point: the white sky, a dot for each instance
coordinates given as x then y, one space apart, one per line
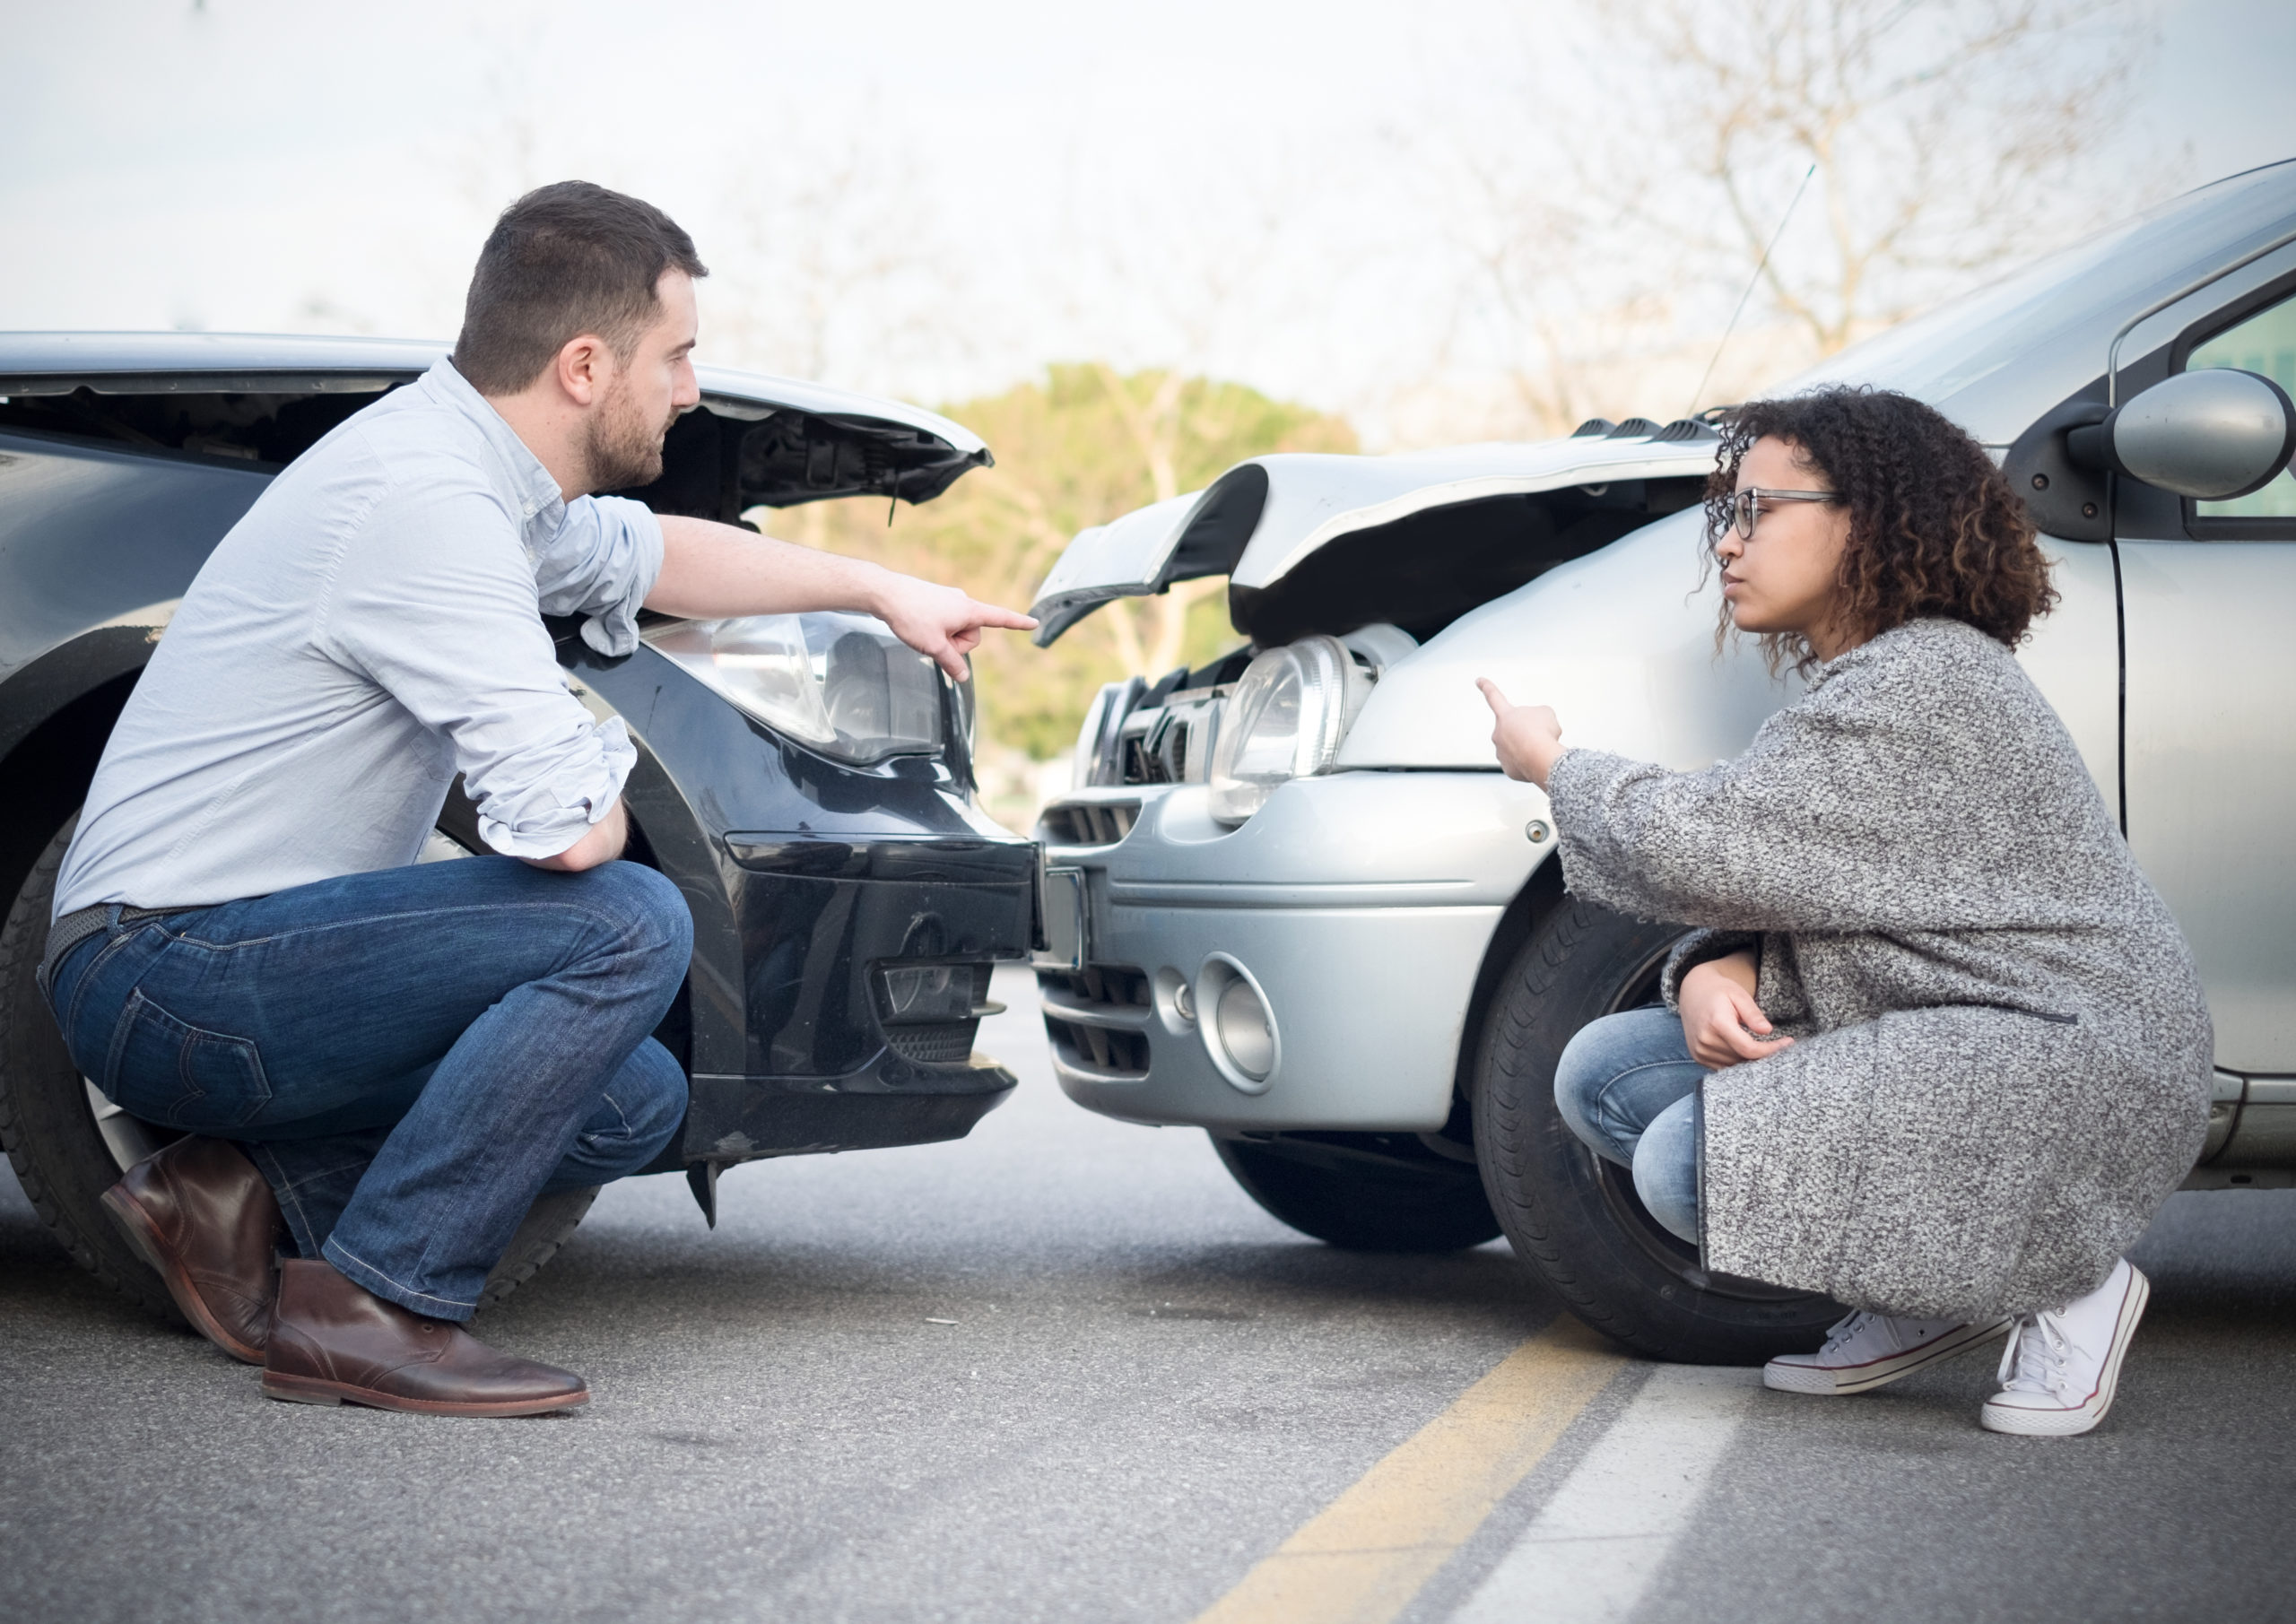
968 191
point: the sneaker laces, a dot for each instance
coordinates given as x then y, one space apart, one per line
2038 1357
1846 1332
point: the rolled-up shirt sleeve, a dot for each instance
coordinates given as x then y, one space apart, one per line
601 565
436 605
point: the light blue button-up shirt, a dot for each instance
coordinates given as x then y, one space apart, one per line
371 628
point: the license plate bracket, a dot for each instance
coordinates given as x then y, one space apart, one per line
1065 921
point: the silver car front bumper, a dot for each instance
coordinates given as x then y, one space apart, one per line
1358 906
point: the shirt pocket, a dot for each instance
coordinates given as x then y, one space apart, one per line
181 1075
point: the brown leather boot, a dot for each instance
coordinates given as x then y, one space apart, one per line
335 1343
201 1215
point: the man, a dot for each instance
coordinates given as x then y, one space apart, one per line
396 1060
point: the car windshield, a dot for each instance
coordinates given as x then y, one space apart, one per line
2061 310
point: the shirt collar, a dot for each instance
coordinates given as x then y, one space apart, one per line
523 483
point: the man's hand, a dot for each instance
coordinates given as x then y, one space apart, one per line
602 844
940 621
1721 1023
712 571
1528 737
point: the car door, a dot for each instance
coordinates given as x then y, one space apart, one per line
2209 613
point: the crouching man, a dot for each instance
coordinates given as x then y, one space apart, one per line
391 1061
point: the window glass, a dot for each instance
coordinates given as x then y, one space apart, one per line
2264 344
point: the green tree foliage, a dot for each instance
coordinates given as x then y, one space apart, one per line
1081 447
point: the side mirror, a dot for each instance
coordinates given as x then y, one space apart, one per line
2210 435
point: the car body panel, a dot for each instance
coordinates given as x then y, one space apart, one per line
1358 891
1306 501
784 441
2212 772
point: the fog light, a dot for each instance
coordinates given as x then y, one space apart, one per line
1238 1029
918 992
1244 1032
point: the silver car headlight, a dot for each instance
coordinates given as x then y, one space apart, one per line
842 684
1284 720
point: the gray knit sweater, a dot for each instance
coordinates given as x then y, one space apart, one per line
2003 1054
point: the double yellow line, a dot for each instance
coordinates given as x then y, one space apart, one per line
1364 1557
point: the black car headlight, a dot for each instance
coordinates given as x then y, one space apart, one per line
842 684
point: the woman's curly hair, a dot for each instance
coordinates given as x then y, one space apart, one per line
1933 527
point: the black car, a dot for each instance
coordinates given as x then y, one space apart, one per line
807 779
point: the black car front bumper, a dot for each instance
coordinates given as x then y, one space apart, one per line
808 882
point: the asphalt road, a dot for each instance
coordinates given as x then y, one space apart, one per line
1151 1397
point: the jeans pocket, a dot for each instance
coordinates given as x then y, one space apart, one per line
179 1075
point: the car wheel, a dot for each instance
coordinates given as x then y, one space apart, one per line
1364 1191
69 1144
1572 1216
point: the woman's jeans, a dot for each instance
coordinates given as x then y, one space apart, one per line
1628 1087
411 1055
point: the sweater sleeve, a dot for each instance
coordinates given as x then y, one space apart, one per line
1700 947
1837 817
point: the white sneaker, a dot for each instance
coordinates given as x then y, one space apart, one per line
2060 1369
1869 1351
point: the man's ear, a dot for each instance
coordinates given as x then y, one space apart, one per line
585 366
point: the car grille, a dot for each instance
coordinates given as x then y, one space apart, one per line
1097 1019
942 1041
1089 822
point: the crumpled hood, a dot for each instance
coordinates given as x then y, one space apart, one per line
1259 521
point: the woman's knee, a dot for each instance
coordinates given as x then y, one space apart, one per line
1665 1168
1596 1056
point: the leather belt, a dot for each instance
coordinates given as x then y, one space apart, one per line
82 923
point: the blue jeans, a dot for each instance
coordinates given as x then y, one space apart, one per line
411 1055
1628 1087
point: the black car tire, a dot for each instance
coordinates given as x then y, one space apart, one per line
1365 1200
63 1161
60 1155
1573 1217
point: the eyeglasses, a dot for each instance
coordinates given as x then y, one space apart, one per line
1746 506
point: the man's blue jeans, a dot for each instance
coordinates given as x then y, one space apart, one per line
1628 1087
411 1055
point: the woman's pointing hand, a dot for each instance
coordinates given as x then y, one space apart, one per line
1528 737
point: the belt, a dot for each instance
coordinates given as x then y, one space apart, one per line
82 923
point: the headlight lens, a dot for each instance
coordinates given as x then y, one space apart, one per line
1284 720
841 684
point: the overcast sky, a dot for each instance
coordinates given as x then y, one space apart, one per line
931 200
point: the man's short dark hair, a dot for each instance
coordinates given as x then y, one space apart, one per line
564 260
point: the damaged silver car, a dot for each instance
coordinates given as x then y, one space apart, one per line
1291 900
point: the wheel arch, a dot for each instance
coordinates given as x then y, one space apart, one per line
55 713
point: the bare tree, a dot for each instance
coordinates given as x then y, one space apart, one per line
1943 140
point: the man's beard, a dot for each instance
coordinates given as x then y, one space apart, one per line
623 450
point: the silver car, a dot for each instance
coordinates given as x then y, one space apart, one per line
1291 900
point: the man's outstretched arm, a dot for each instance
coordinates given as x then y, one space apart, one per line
712 571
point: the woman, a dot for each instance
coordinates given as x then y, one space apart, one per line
1936 1048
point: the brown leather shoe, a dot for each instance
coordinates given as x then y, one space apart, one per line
201 1215
335 1343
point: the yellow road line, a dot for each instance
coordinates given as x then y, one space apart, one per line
1362 1558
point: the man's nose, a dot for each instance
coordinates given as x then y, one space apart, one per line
687 391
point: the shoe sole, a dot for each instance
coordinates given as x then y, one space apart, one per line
2020 1422
1824 1383
141 1233
314 1390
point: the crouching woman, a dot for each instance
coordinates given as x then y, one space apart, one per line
1936 1048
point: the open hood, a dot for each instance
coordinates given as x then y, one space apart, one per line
1319 543
754 440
